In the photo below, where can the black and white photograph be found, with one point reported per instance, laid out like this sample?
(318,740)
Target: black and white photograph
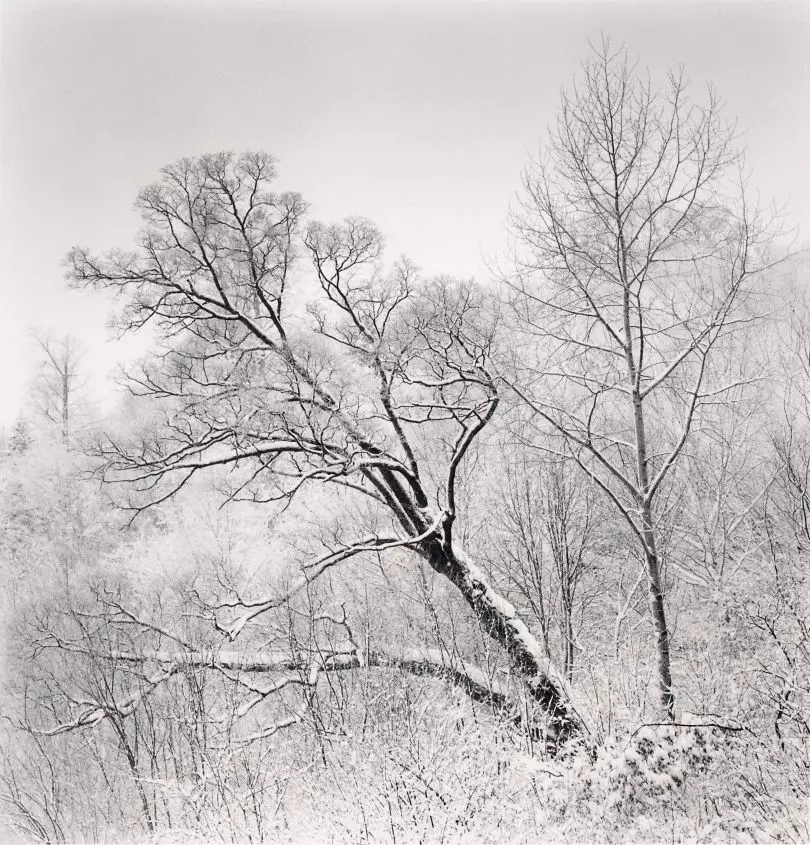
(405,421)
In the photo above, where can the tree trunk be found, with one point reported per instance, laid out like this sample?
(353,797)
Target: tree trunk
(652,564)
(658,612)
(501,622)
(568,636)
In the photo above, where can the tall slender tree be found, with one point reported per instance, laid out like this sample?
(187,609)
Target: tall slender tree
(635,250)
(60,389)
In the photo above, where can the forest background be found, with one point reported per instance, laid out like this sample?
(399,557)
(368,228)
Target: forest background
(373,549)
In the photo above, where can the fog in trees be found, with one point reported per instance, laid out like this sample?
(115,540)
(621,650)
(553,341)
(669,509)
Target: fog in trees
(364,553)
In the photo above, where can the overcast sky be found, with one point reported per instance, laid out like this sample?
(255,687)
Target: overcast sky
(417,115)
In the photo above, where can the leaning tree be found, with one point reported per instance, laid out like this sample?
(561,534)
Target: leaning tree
(377,388)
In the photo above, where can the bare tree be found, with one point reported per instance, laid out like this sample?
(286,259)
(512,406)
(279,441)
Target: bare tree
(60,390)
(635,251)
(387,374)
(543,541)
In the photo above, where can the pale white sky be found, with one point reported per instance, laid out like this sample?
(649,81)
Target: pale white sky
(417,115)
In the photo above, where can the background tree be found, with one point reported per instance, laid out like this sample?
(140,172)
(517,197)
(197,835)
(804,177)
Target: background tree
(60,391)
(636,249)
(543,544)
